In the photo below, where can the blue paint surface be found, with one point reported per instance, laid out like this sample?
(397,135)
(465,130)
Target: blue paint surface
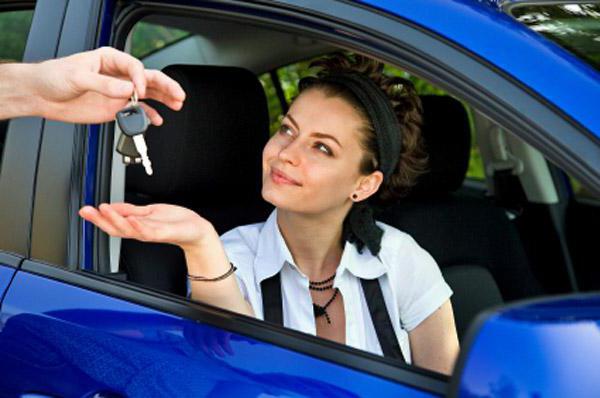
(500,40)
(6,274)
(549,349)
(68,341)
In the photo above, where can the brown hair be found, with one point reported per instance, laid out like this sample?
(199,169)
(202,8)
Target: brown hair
(407,106)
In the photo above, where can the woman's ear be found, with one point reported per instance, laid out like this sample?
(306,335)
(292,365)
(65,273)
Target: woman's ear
(367,186)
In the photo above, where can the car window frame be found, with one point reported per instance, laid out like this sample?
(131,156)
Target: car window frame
(23,138)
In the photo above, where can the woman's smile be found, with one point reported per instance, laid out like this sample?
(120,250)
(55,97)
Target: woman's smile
(280,177)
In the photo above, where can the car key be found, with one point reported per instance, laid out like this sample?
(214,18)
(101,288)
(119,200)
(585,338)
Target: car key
(126,147)
(134,122)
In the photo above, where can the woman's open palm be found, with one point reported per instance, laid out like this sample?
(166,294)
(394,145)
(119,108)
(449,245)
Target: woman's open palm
(153,223)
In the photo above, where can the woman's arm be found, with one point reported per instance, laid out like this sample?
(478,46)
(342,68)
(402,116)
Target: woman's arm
(204,252)
(434,342)
(209,256)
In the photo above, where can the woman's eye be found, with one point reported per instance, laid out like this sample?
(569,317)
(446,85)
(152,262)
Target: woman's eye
(323,148)
(284,129)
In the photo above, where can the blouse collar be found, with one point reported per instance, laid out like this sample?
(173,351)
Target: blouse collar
(272,253)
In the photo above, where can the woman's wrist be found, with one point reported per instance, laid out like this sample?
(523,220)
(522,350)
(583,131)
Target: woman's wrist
(206,256)
(207,237)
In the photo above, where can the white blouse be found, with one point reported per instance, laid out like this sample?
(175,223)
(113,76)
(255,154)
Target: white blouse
(412,284)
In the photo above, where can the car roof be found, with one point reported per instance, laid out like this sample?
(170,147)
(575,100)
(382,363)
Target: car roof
(482,29)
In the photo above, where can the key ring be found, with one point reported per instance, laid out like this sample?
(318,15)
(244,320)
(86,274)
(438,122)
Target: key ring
(134,98)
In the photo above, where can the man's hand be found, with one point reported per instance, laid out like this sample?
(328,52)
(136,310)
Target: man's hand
(88,87)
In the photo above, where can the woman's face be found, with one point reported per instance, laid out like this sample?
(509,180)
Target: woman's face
(311,165)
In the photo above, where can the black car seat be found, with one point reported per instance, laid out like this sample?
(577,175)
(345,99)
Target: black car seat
(206,157)
(474,242)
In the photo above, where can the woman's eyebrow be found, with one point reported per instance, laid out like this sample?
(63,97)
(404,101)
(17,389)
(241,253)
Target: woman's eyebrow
(293,121)
(316,134)
(323,135)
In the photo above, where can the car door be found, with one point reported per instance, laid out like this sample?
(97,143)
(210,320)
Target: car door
(70,330)
(15,20)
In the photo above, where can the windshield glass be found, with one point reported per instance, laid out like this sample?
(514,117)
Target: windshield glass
(576,27)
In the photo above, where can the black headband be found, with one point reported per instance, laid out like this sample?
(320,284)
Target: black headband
(359,226)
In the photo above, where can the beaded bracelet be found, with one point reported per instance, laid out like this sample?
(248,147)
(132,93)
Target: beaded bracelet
(218,278)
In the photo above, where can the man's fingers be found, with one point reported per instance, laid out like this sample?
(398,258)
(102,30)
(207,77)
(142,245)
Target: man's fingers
(115,62)
(165,99)
(111,87)
(153,115)
(163,88)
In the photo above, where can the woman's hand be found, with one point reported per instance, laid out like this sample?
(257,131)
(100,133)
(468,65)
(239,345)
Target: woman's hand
(153,223)
(163,223)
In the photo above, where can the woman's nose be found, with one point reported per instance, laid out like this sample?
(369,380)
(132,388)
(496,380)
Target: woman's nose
(290,152)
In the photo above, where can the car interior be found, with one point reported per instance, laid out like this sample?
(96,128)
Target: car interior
(485,232)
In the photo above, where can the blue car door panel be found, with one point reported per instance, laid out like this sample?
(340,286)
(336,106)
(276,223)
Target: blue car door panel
(67,340)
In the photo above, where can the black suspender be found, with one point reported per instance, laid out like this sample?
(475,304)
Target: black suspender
(272,301)
(273,312)
(381,319)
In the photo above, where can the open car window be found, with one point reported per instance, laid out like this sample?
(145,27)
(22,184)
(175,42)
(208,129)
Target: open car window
(278,58)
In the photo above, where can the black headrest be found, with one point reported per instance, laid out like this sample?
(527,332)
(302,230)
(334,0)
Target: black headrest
(447,135)
(209,152)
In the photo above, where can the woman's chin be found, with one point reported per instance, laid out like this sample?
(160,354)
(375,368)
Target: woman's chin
(281,200)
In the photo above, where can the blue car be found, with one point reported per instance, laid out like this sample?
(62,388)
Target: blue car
(511,94)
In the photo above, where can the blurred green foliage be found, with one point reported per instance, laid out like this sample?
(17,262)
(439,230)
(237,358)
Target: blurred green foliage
(148,38)
(582,192)
(574,26)
(290,75)
(14,26)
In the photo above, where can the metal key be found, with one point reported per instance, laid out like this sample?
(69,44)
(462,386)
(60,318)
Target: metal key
(133,122)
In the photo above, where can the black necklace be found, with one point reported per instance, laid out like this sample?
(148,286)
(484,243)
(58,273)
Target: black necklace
(321,285)
(320,310)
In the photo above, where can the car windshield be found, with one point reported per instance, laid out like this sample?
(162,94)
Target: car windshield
(575,27)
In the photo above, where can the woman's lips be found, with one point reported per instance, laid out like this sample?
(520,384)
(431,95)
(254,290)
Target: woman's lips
(281,178)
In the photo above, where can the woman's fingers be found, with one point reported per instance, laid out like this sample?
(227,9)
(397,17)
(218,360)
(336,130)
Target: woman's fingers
(127,209)
(149,230)
(118,221)
(92,215)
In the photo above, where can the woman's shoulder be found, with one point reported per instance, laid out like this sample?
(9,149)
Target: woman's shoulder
(244,235)
(394,238)
(241,243)
(400,249)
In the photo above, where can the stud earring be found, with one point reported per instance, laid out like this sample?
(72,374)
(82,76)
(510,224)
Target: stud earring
(354,196)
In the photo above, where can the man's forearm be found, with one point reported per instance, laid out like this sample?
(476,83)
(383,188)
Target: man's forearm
(17,94)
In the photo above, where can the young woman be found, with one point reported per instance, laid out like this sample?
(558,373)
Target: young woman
(320,263)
